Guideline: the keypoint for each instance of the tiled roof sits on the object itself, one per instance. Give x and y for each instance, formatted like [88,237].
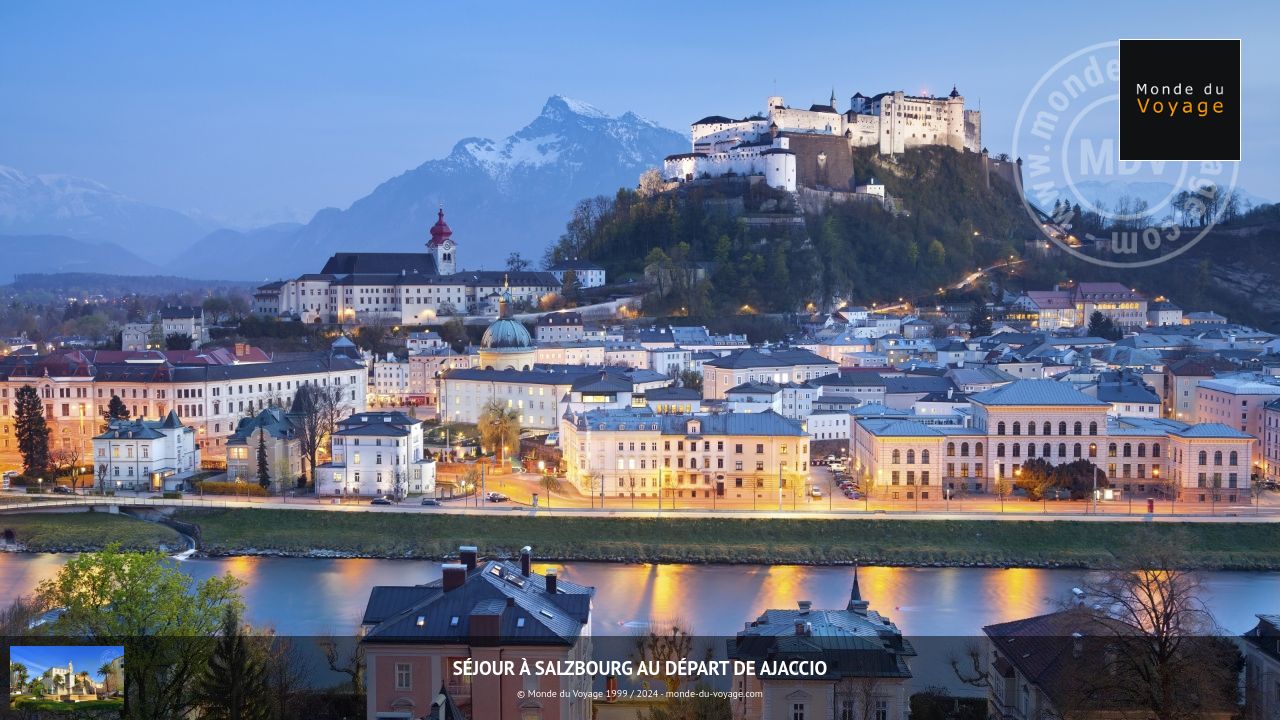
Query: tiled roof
[752,358]
[1035,392]
[767,423]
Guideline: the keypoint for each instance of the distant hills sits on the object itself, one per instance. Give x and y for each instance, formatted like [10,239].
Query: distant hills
[93,213]
[499,196]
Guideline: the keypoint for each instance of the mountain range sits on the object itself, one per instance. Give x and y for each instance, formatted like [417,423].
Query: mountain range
[499,196]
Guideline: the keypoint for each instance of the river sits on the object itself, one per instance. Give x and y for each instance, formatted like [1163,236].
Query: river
[300,596]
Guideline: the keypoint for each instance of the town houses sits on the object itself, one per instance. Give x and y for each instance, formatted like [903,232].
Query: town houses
[208,393]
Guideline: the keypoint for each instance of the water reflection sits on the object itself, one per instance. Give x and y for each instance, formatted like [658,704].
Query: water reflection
[320,596]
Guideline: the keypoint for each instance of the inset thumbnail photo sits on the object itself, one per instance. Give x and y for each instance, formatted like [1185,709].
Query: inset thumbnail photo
[80,680]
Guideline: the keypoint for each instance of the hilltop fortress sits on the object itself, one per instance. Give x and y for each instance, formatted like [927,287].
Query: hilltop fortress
[812,148]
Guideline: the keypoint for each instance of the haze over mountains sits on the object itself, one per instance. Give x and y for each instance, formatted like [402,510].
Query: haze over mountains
[499,196]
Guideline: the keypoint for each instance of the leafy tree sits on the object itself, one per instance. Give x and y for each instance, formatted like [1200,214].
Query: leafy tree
[499,427]
[1104,327]
[167,616]
[264,472]
[234,686]
[116,409]
[20,673]
[570,288]
[454,332]
[32,431]
[979,321]
[178,341]
[691,379]
[1036,477]
[37,688]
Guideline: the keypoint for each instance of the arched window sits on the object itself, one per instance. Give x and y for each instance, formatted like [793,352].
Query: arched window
[1031,428]
[924,457]
[1017,450]
[964,449]
[977,449]
[1142,450]
[1128,450]
[1093,428]
[1155,450]
[1204,458]
[1017,428]
[911,457]
[897,456]
[1062,428]
[1076,452]
[1031,447]
[1111,450]
[1217,457]
[1000,428]
[1235,457]
[1062,450]
[1048,429]
[1079,428]
[1047,451]
[1000,450]
[1093,450]
[951,449]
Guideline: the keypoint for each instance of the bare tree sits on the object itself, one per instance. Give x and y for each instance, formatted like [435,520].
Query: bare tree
[345,656]
[317,409]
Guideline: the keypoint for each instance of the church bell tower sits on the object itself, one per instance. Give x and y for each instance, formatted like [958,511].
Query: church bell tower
[442,246]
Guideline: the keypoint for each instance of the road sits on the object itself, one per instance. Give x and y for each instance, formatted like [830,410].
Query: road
[567,502]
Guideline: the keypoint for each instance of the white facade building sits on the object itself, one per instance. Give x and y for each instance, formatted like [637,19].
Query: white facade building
[145,454]
[377,454]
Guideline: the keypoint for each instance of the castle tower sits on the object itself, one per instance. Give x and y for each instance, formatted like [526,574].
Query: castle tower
[955,120]
[442,246]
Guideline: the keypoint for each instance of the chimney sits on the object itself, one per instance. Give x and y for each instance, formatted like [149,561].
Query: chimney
[526,560]
[467,556]
[804,606]
[455,576]
[551,578]
[1077,645]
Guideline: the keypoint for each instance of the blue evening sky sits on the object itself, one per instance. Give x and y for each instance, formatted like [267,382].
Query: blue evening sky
[249,109]
[87,658]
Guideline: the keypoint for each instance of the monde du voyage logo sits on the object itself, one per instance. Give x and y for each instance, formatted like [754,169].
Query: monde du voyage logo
[1152,114]
[1180,100]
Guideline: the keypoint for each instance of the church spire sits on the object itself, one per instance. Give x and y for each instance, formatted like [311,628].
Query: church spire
[856,603]
[833,99]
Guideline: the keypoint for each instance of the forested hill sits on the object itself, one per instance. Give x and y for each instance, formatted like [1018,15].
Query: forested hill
[765,252]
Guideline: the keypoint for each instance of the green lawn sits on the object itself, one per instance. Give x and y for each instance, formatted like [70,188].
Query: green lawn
[49,532]
[901,542]
[91,710]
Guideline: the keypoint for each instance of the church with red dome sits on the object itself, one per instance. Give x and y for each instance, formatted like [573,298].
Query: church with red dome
[405,288]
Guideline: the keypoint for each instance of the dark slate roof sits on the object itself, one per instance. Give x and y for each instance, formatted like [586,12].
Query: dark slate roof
[529,615]
[604,382]
[560,319]
[752,358]
[273,421]
[1265,636]
[383,424]
[536,376]
[923,384]
[1035,392]
[181,313]
[851,379]
[346,263]
[672,393]
[715,120]
[1127,392]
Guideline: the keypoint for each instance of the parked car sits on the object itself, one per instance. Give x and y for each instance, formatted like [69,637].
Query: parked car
[851,494]
[431,502]
[815,492]
[381,501]
[63,490]
[496,497]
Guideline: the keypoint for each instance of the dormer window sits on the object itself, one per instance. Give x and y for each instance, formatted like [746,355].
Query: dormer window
[693,427]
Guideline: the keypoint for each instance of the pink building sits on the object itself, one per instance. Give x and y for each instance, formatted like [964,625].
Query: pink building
[418,638]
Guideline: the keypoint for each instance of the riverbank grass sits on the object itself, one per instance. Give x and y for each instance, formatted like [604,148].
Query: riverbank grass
[63,532]
[718,540]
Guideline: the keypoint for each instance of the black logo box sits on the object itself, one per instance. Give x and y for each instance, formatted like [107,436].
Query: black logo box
[1188,65]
